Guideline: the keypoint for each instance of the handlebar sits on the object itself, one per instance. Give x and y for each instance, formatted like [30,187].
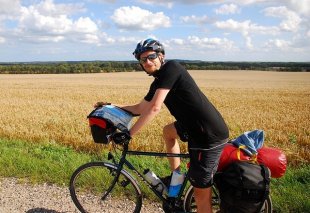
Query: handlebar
[121,137]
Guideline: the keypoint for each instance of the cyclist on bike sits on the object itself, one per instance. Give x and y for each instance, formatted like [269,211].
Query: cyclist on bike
[197,120]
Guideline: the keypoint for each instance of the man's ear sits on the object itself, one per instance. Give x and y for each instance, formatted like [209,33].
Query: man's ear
[161,56]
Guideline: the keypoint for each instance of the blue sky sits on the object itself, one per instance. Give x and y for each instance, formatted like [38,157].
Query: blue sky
[210,30]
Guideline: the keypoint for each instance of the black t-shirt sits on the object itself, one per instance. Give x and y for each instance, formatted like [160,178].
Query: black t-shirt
[188,104]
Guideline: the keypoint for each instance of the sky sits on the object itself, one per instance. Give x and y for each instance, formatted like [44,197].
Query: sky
[208,30]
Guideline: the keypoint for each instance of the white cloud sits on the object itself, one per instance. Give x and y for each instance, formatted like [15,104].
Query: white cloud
[248,42]
[228,9]
[298,44]
[165,3]
[90,39]
[245,2]
[128,39]
[194,1]
[291,19]
[210,43]
[9,9]
[48,7]
[199,48]
[300,6]
[103,1]
[135,18]
[2,40]
[195,19]
[177,41]
[32,20]
[278,43]
[46,38]
[85,25]
[245,27]
[49,22]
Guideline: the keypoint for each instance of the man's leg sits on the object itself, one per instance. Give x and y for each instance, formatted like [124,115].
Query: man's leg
[203,165]
[172,146]
[203,199]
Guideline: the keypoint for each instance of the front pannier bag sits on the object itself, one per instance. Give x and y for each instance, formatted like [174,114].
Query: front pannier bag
[105,120]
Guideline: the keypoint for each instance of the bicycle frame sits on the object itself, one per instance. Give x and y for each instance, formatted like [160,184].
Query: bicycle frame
[123,161]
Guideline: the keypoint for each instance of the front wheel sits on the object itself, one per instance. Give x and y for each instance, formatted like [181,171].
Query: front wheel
[91,191]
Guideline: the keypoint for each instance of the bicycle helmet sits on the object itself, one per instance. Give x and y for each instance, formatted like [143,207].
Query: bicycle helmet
[148,44]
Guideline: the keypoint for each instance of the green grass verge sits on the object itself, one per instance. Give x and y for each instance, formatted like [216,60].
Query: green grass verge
[52,163]
[39,162]
[291,193]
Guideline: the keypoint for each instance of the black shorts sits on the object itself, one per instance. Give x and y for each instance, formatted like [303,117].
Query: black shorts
[203,161]
[181,131]
[203,165]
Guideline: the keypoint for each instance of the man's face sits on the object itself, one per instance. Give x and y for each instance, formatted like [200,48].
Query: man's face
[151,61]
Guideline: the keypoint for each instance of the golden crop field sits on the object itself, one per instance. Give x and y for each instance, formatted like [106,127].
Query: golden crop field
[53,108]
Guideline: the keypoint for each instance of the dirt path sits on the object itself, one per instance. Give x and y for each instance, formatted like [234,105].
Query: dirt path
[44,198]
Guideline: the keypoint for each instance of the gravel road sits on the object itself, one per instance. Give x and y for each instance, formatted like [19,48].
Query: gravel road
[18,197]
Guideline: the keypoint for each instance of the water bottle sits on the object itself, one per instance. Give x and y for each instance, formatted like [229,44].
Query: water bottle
[155,181]
[176,183]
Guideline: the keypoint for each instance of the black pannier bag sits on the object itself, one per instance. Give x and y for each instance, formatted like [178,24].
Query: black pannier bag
[105,120]
[243,187]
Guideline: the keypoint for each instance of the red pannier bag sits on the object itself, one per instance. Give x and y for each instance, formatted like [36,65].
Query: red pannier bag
[274,159]
[230,154]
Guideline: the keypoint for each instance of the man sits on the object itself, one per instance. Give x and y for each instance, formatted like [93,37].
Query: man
[197,120]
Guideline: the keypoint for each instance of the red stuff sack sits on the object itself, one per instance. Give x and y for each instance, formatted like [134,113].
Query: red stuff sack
[274,159]
[230,154]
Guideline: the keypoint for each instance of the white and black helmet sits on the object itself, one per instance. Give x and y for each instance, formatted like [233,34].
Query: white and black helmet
[148,44]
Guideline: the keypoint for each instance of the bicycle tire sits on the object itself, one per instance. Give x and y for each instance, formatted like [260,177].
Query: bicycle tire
[190,205]
[91,181]
[267,207]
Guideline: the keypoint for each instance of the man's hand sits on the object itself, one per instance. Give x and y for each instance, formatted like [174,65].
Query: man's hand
[100,104]
[122,137]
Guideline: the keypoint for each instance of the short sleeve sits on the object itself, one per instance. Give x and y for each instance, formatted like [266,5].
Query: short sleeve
[168,76]
[149,96]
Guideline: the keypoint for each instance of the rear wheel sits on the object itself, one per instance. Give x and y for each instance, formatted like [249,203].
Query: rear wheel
[267,207]
[190,204]
[91,191]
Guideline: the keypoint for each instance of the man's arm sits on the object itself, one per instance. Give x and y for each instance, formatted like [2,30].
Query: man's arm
[135,109]
[147,110]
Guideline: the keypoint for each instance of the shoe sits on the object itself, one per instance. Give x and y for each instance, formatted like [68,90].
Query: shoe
[166,180]
[176,184]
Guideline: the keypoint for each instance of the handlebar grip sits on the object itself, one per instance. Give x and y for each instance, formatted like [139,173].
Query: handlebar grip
[121,137]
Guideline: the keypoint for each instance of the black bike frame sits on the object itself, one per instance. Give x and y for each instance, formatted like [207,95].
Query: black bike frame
[123,161]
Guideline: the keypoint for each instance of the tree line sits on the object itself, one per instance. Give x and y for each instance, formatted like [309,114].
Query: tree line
[130,66]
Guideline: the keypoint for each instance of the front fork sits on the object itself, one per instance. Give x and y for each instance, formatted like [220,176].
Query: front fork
[113,172]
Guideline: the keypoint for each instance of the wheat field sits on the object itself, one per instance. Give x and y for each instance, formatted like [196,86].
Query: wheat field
[53,108]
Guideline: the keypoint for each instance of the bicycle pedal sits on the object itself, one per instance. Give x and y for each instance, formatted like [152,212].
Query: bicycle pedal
[124,183]
[110,156]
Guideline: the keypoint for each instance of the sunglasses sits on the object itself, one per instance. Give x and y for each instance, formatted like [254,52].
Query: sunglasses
[150,57]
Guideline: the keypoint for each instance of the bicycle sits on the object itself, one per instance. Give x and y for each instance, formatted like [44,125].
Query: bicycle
[98,185]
